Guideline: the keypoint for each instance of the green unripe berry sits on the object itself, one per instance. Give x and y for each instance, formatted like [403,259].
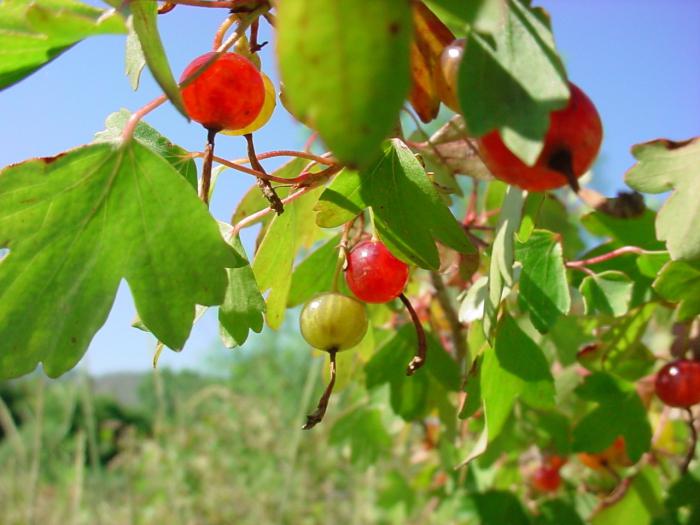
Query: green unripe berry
[333,322]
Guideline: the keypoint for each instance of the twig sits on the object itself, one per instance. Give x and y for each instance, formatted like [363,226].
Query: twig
[219,35]
[264,185]
[456,328]
[166,7]
[316,416]
[418,359]
[206,166]
[616,495]
[250,219]
[291,153]
[610,255]
[693,442]
[220,4]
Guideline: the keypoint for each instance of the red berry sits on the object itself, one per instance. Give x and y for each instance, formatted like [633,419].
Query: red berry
[572,141]
[546,479]
[229,94]
[678,383]
[373,274]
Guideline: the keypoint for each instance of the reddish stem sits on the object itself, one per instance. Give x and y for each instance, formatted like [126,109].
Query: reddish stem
[291,153]
[221,4]
[607,256]
[418,359]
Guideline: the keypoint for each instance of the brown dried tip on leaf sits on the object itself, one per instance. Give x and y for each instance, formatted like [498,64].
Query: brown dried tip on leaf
[626,205]
[430,38]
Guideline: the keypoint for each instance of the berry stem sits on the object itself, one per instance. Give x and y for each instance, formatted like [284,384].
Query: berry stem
[205,189]
[342,255]
[264,184]
[225,25]
[418,359]
[693,441]
[316,416]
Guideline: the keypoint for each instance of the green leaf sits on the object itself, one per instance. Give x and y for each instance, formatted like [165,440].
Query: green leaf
[34,33]
[640,504]
[410,394]
[353,100]
[341,201]
[275,257]
[133,59]
[76,224]
[651,264]
[557,512]
[544,290]
[511,82]
[472,388]
[498,508]
[409,214]
[679,281]
[314,274]
[618,413]
[629,231]
[663,166]
[484,16]
[607,293]
[515,368]
[549,213]
[622,352]
[178,157]
[502,255]
[364,431]
[243,306]
[145,14]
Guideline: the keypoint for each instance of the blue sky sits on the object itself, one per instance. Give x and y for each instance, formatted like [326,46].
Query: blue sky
[638,60]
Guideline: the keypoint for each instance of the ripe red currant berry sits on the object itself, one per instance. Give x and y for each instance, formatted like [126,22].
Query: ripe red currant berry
[678,383]
[373,274]
[570,147]
[229,94]
[333,322]
[546,479]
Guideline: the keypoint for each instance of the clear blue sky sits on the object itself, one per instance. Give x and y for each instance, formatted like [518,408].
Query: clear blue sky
[638,60]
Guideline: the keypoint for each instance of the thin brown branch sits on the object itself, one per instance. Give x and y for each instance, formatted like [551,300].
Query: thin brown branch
[693,441]
[250,219]
[607,256]
[459,340]
[264,185]
[316,416]
[221,32]
[418,359]
[236,5]
[291,153]
[166,7]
